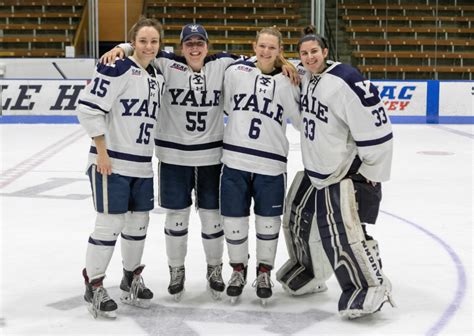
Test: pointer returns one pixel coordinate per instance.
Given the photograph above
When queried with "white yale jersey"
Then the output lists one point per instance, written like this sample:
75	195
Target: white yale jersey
343	116
191	122
258	106
121	102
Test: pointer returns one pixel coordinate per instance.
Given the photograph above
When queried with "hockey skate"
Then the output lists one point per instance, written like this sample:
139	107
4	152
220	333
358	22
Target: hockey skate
263	284
176	286
215	283
98	301
237	281
134	291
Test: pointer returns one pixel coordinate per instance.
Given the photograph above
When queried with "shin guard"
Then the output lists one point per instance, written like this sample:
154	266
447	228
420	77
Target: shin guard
176	236
102	243
133	239
212	233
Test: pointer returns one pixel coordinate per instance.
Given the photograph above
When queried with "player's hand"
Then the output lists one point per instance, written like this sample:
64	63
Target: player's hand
110	56
291	73
104	165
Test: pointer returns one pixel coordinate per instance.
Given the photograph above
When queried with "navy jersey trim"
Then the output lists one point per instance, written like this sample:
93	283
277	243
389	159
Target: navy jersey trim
124	156
351	75
207	59
316	174
121	67
243	62
214	57
255	152
92	105
171	56
374	142
198	147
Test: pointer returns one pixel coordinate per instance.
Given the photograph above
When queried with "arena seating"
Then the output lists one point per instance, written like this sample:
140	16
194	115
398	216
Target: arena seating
410	40
39	28
232	25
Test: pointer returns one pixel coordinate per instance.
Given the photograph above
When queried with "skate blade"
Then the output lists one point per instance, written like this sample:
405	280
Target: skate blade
111	315
214	294
263	302
234	299
140	303
178	296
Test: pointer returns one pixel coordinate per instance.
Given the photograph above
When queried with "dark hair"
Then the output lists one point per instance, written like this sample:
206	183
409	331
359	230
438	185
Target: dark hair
144	22
309	34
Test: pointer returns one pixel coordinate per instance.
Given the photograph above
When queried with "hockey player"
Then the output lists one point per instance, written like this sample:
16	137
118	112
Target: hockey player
188	144
346	141
118	109
189	147
258	99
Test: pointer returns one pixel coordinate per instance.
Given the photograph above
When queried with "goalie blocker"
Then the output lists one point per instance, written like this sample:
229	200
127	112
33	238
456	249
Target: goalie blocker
339	239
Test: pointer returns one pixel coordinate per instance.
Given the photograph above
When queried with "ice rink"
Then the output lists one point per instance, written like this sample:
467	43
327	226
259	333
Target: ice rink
425	231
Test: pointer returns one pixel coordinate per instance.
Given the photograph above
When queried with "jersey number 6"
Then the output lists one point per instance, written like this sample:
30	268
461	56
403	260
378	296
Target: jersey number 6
254	131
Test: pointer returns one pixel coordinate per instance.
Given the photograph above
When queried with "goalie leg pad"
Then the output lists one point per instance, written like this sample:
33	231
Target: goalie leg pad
354	263
102	243
308	268
212	233
176	236
133	239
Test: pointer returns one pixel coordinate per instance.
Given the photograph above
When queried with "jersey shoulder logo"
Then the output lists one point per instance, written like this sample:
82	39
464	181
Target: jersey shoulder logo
365	87
178	66
244	68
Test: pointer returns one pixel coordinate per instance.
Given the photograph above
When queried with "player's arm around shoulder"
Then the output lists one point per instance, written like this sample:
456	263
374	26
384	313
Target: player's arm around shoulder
291	96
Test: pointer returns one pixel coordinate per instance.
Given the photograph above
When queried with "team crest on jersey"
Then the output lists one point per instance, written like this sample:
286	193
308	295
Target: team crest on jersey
244	68
179	67
136	72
